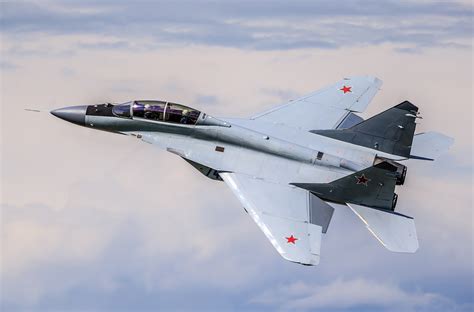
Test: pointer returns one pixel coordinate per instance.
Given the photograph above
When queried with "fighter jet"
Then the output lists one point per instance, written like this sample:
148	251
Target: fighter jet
292	165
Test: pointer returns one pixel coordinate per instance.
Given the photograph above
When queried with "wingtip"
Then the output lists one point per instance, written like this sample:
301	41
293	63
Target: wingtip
313	261
407	249
375	80
372	79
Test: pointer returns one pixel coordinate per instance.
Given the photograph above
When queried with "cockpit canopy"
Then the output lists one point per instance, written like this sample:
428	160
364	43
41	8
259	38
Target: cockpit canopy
157	111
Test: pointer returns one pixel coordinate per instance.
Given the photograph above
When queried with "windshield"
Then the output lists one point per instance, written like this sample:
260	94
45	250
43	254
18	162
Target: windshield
122	110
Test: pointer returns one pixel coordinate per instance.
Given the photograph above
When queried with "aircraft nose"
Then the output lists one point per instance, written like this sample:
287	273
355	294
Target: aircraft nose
74	114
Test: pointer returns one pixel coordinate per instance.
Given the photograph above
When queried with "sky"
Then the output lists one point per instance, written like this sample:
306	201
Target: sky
92	221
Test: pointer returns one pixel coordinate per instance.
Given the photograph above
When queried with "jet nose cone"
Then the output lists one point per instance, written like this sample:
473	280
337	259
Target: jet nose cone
74	114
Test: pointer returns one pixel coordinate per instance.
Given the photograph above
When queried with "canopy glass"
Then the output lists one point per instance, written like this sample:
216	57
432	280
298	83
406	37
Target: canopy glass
158	111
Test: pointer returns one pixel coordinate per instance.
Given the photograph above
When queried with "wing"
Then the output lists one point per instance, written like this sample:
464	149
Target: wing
292	219
326	108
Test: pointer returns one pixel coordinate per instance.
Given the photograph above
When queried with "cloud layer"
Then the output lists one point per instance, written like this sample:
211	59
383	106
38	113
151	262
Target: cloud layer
364	294
95	221
274	25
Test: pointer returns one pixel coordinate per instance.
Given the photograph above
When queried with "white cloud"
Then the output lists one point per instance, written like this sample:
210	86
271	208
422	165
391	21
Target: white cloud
83	209
347	294
268	26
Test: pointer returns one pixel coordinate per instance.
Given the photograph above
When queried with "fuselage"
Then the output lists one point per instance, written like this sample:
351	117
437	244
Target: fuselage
192	135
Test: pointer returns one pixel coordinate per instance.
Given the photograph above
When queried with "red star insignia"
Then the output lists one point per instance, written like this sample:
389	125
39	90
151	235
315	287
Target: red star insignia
291	239
345	89
362	180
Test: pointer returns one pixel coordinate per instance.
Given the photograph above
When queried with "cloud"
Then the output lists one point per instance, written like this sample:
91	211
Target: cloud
281	95
104	45
107	249
261	26
355	294
4	65
206	100
95	221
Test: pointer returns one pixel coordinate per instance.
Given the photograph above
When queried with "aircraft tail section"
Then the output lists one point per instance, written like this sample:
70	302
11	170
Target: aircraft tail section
391	131
370	195
373	187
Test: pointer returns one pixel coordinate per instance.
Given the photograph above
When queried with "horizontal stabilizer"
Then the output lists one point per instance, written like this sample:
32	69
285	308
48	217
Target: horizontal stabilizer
394	231
430	145
373	187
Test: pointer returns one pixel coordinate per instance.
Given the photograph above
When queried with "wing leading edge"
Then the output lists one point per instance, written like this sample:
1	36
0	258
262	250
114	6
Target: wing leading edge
326	108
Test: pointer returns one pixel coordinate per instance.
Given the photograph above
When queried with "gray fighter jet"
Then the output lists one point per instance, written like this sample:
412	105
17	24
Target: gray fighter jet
291	166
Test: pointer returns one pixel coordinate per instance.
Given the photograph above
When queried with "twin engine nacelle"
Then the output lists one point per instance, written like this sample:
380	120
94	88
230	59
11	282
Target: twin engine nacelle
401	172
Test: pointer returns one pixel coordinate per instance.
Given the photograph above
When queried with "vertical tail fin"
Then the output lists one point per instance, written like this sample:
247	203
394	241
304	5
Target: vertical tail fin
391	131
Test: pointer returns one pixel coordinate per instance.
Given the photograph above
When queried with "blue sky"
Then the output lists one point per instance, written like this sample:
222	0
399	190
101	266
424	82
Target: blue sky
95	221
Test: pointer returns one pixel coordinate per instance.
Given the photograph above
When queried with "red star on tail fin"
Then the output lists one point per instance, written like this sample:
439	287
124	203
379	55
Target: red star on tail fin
362	180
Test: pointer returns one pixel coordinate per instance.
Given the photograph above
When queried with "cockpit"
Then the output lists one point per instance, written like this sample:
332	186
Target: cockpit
157	111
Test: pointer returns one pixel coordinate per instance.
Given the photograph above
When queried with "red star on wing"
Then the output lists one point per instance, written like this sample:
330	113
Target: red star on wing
291	239
345	89
362	180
